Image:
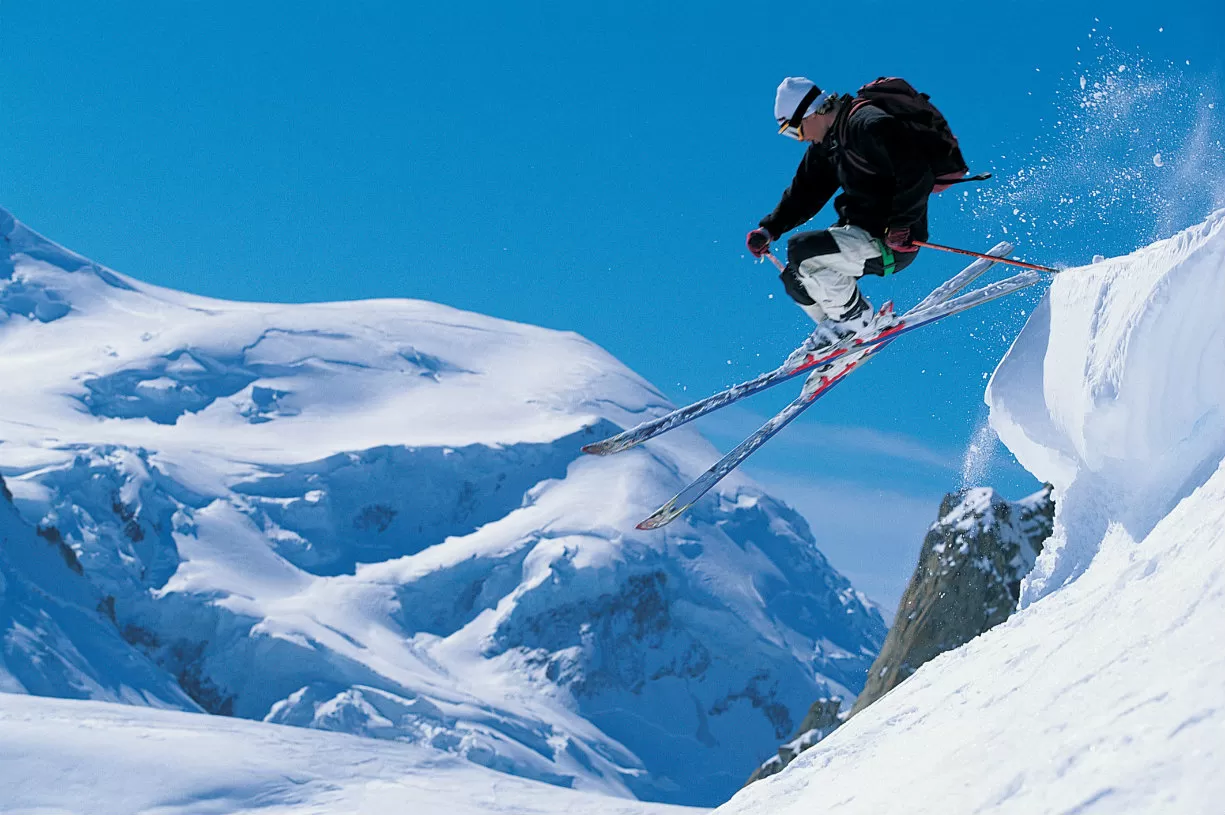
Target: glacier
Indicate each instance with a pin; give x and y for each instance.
(1103, 693)
(373, 518)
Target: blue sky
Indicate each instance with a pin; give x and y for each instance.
(595, 169)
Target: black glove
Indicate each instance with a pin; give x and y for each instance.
(758, 242)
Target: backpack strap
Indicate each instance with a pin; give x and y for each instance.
(843, 123)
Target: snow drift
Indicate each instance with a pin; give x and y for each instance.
(175, 763)
(1103, 694)
(373, 518)
(1115, 393)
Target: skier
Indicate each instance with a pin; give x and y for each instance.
(888, 149)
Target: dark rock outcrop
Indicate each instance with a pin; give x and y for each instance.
(823, 718)
(967, 581)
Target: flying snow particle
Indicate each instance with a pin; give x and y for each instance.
(1157, 162)
(976, 461)
(1083, 83)
(1122, 68)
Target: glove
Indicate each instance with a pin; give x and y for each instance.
(898, 239)
(758, 242)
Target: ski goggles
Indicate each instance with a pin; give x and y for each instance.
(818, 100)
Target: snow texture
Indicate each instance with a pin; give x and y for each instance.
(56, 635)
(1104, 693)
(94, 758)
(373, 518)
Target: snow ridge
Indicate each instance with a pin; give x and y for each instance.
(1127, 418)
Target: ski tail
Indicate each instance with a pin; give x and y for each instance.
(917, 318)
(655, 427)
(965, 277)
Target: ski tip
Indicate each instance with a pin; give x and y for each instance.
(652, 523)
(606, 447)
(663, 516)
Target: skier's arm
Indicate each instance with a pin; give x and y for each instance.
(893, 150)
(814, 184)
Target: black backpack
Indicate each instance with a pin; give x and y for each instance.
(899, 99)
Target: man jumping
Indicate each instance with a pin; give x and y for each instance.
(888, 149)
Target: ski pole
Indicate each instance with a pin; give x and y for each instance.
(778, 264)
(955, 250)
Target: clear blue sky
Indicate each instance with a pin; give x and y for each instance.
(595, 169)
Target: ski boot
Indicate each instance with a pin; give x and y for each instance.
(829, 334)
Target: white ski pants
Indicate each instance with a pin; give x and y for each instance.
(830, 276)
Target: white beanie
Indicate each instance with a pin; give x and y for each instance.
(791, 92)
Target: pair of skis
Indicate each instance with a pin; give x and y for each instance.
(825, 368)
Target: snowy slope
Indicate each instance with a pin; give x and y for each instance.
(56, 635)
(1103, 694)
(92, 757)
(373, 518)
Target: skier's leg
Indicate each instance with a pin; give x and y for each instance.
(824, 265)
(796, 291)
(828, 264)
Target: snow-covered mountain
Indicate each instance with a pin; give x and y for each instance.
(1102, 694)
(373, 518)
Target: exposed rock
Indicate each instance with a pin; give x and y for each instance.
(967, 581)
(824, 717)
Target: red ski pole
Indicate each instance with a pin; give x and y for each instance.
(955, 250)
(779, 264)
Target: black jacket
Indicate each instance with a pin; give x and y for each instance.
(885, 180)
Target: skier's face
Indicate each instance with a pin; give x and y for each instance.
(814, 127)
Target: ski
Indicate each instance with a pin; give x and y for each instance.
(688, 496)
(820, 383)
(797, 363)
(917, 318)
